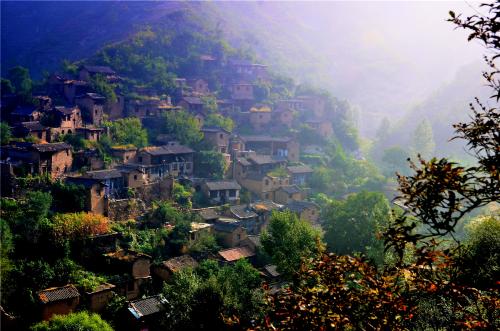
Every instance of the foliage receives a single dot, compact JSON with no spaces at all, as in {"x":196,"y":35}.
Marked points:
{"x":395,"y":160}
{"x":101,"y":86}
{"x":182,"y":195}
{"x":128,"y":131}
{"x":152,"y":242}
{"x":218,"y":120}
{"x":21,"y":80}
{"x":423,"y":140}
{"x":68,"y":197}
{"x":354,"y":225}
{"x":278,"y":172}
{"x":204,"y":245}
{"x":183,"y":126}
{"x":5,"y":133}
{"x":180,"y":235}
{"x":210,"y":164}
{"x":6,"y":87}
{"x":77,"y":226}
{"x":74,"y":321}
{"x":164,"y":212}
{"x":289,"y":240}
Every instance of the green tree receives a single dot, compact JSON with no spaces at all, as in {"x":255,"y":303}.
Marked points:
{"x":218,"y":120}
{"x":289,"y":240}
{"x":74,"y":321}
{"x":5,"y":133}
{"x":210,"y":164}
{"x":68,"y":198}
{"x":128,"y":131}
{"x":21,"y":80}
{"x":423,"y":140}
{"x":182,"y":195}
{"x":6,"y":87}
{"x":101,"y":86}
{"x":383,"y":130}
{"x":182,"y":126}
{"x":352,"y":225}
{"x":395,"y":159}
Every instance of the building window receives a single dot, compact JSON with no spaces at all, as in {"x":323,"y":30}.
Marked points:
{"x":238,"y":236}
{"x":232,"y":193}
{"x":135,"y":177}
{"x":140,"y":159}
{"x":266,"y":182}
{"x":221,"y":136}
{"x":213,"y":194}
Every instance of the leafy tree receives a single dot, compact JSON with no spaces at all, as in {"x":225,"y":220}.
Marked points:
{"x":21,"y":80}
{"x":352,"y":225}
{"x":68,"y":198}
{"x":34,"y":221}
{"x":76,"y":226}
{"x":74,"y":321}
{"x":6,"y":87}
{"x":128,"y":131}
{"x":183,"y":126}
{"x":423,"y":140}
{"x":210,"y":164}
{"x":218,"y":120}
{"x":101,"y":86}
{"x":383,"y":129}
{"x":165,"y":212}
{"x":204,"y":245}
{"x":182,"y":196}
{"x":180,"y":235}
{"x":289,"y":240}
{"x":210,"y":104}
{"x":5,"y":133}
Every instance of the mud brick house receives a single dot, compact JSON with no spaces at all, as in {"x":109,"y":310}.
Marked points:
{"x":221,"y":191}
{"x":44,"y":102}
{"x":112,"y":179}
{"x":72,"y":88}
{"x":58,"y":300}
{"x":95,"y":200}
{"x":288,"y":193}
{"x":247,"y":217}
{"x":92,"y":106}
{"x":25,"y":114}
{"x":260,"y":117}
{"x":231,"y":255}
{"x":294,"y":104}
{"x":208,"y":215}
{"x":67,"y":118}
{"x":322,"y":127}
{"x":198,"y":86}
{"x":217,"y":138}
{"x":54,"y":159}
{"x":313,"y":104}
{"x":135,"y":265}
{"x":34,"y":129}
{"x":87,"y":72}
{"x":148,"y":107}
{"x":89,"y":158}
{"x":248,"y":70}
{"x":305,"y":210}
{"x":124,"y":154}
{"x":229,"y":231}
{"x":90,"y":133}
{"x":283,"y":116}
{"x":275,"y":146}
{"x":56,"y":83}
{"x":143,"y":313}
{"x":172,"y":159}
{"x":299,"y":174}
{"x":242,"y":95}
{"x":192,"y":104}
{"x":99,"y":297}
{"x":166,"y":269}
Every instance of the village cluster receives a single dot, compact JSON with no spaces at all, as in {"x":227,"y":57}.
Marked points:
{"x":265,"y":164}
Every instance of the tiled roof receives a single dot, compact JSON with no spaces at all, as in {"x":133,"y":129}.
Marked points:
{"x":226,"y":226}
{"x":193,"y":100}
{"x":33,"y":126}
{"x":264,"y":138}
{"x":264,"y":159}
{"x":242,"y":211}
{"x":299,"y":206}
{"x":94,"y":96}
{"x":87,"y":182}
{"x":103,"y":287}
{"x":58,"y":293}
{"x":271,"y":270}
{"x":103,"y":174}
{"x":208,"y":214}
{"x":237,"y":253}
{"x":52,"y":147}
{"x":147,"y":306}
{"x":299,"y":169}
{"x":243,"y":161}
{"x":127,"y":255}
{"x":65,"y":110}
{"x":214,"y":129}
{"x":99,"y":69}
{"x":290,"y":189}
{"x":222,"y":185}
{"x":167,"y":149}
{"x":266,"y":205}
{"x":180,"y":262}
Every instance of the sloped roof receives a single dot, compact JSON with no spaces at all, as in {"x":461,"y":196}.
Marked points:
{"x":180,"y":262}
{"x":299,"y":169}
{"x":103,"y":174}
{"x":300,"y":206}
{"x":264,"y":138}
{"x":260,"y":159}
{"x":193,"y":100}
{"x":208,"y":214}
{"x":33,"y":126}
{"x":147,"y":306}
{"x":223,"y":185}
{"x":127,"y":255}
{"x":214,"y":129}
{"x":94,"y":96}
{"x":271,"y":270}
{"x":290,"y":189}
{"x":226,"y":226}
{"x":65,"y":110}
{"x":237,"y":253}
{"x":167,"y":149}
{"x":242,"y":211}
{"x":51,"y":147}
{"x":58,"y":293}
{"x":87,"y":182}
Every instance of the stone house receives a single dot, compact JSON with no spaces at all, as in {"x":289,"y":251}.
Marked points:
{"x":87,"y":72}
{"x":247,"y":217}
{"x":115,"y":110}
{"x":166,"y":269}
{"x":25,"y":114}
{"x":68,"y":119}
{"x":222,"y":191}
{"x":230,"y":232}
{"x":96,"y":201}
{"x":299,"y":174}
{"x":284,"y":116}
{"x":287,"y":194}
{"x":245,"y":69}
{"x":260,"y":117}
{"x":217,"y":138}
{"x":58,"y":301}
{"x":34,"y":129}
{"x":192,"y":104}
{"x":323,"y":128}
{"x":149,"y":107}
{"x":99,"y":297}
{"x":285,"y":147}
{"x":199,"y":230}
{"x":73,"y":88}
{"x":53,"y":159}
{"x":315,"y":104}
{"x":305,"y":210}
{"x":135,"y":265}
{"x":144,"y":313}
{"x":198,"y":86}
{"x":90,"y":133}
{"x":242,"y":92}
{"x":92,"y":106}
{"x":124,"y":154}
{"x":231,"y":255}
{"x":172,"y":159}
{"x":112,"y":179}
{"x":91,"y":159}
{"x":294,"y":104}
